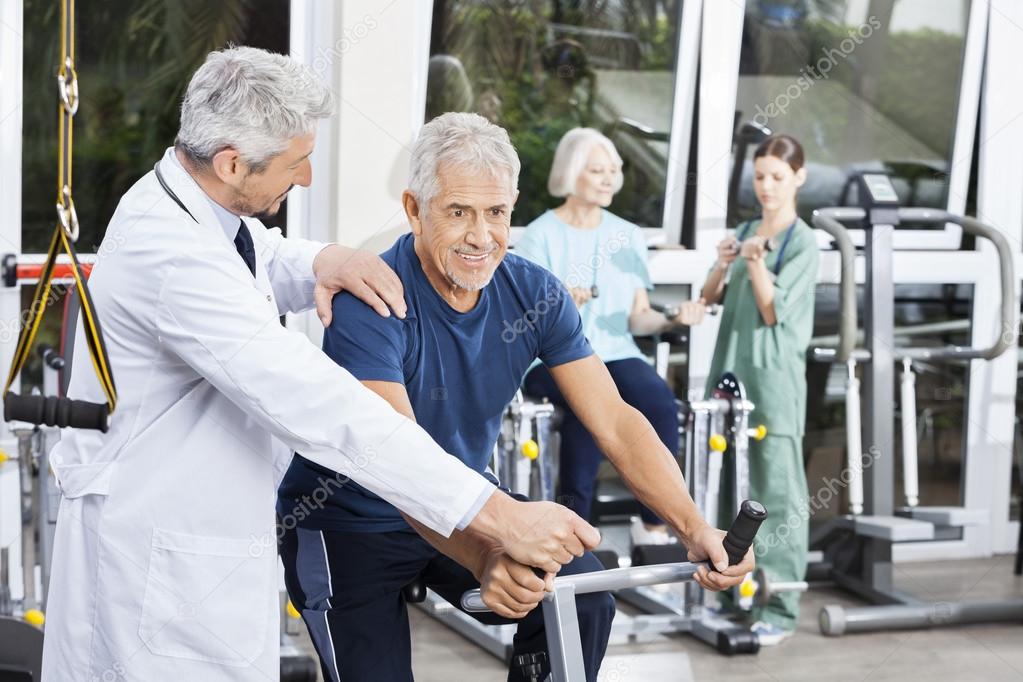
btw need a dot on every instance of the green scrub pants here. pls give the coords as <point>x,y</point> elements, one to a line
<point>778,481</point>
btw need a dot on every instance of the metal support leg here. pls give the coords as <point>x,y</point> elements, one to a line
<point>544,465</point>
<point>564,646</point>
<point>907,395</point>
<point>853,439</point>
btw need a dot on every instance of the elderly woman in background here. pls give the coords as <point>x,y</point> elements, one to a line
<point>601,259</point>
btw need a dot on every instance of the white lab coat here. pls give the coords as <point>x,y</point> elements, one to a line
<point>165,562</point>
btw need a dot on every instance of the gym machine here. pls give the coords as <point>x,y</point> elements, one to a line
<point>858,547</point>
<point>560,619</point>
<point>716,434</point>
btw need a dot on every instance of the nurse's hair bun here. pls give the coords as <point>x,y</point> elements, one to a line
<point>783,147</point>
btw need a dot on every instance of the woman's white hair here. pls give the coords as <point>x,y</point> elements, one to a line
<point>570,160</point>
<point>465,141</point>
<point>252,101</point>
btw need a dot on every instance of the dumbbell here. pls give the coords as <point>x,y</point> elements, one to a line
<point>770,245</point>
<point>760,588</point>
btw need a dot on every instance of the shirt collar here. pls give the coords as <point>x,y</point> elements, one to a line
<point>229,222</point>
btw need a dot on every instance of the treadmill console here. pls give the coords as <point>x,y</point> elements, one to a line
<point>879,189</point>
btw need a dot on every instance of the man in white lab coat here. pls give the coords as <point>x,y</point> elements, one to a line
<point>165,563</point>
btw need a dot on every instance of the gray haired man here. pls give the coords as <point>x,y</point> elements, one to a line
<point>164,564</point>
<point>451,366</point>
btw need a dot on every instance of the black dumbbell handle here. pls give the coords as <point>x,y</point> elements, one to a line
<point>54,411</point>
<point>740,536</point>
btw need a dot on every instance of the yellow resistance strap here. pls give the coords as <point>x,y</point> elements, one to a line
<point>66,231</point>
<point>90,322</point>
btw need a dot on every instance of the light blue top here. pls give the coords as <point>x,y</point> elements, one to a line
<point>612,256</point>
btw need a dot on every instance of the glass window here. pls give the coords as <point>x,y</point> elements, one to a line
<point>862,85</point>
<point>539,68</point>
<point>133,61</point>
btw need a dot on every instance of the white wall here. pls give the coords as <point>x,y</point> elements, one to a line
<point>11,46</point>
<point>381,104</point>
<point>1000,186</point>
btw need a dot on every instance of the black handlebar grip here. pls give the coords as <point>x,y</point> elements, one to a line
<point>740,536</point>
<point>54,411</point>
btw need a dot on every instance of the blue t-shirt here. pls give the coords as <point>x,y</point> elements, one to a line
<point>611,256</point>
<point>460,371</point>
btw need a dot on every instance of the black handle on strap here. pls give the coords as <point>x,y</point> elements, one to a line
<point>54,411</point>
<point>740,536</point>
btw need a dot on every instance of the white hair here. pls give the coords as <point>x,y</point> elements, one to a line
<point>460,140</point>
<point>252,101</point>
<point>570,160</point>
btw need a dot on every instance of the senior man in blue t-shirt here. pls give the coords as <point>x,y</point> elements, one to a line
<point>477,318</point>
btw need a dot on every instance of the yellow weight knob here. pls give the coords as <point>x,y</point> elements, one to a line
<point>4,457</point>
<point>35,617</point>
<point>718,443</point>
<point>747,588</point>
<point>759,433</point>
<point>292,611</point>
<point>530,450</point>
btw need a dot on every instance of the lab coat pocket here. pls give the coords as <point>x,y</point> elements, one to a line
<point>222,615</point>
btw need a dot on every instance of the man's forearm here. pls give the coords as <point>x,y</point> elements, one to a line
<point>650,471</point>
<point>464,546</point>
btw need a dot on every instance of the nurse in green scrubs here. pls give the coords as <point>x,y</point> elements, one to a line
<point>766,276</point>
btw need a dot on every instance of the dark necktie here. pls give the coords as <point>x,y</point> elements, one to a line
<point>246,249</point>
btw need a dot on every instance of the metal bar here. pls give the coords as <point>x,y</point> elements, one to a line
<point>1006,336</point>
<point>720,405</point>
<point>925,329</point>
<point>740,456</point>
<point>28,554</point>
<point>853,439</point>
<point>842,213</point>
<point>907,395</point>
<point>564,645</point>
<point>836,620</point>
<point>545,457</point>
<point>636,576</point>
<point>879,387</point>
<point>605,581</point>
<point>824,219</point>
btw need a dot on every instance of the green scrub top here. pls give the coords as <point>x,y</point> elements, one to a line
<point>771,360</point>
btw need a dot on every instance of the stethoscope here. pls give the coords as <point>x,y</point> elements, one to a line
<point>166,188</point>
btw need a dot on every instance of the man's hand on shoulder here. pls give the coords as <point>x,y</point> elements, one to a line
<point>363,274</point>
